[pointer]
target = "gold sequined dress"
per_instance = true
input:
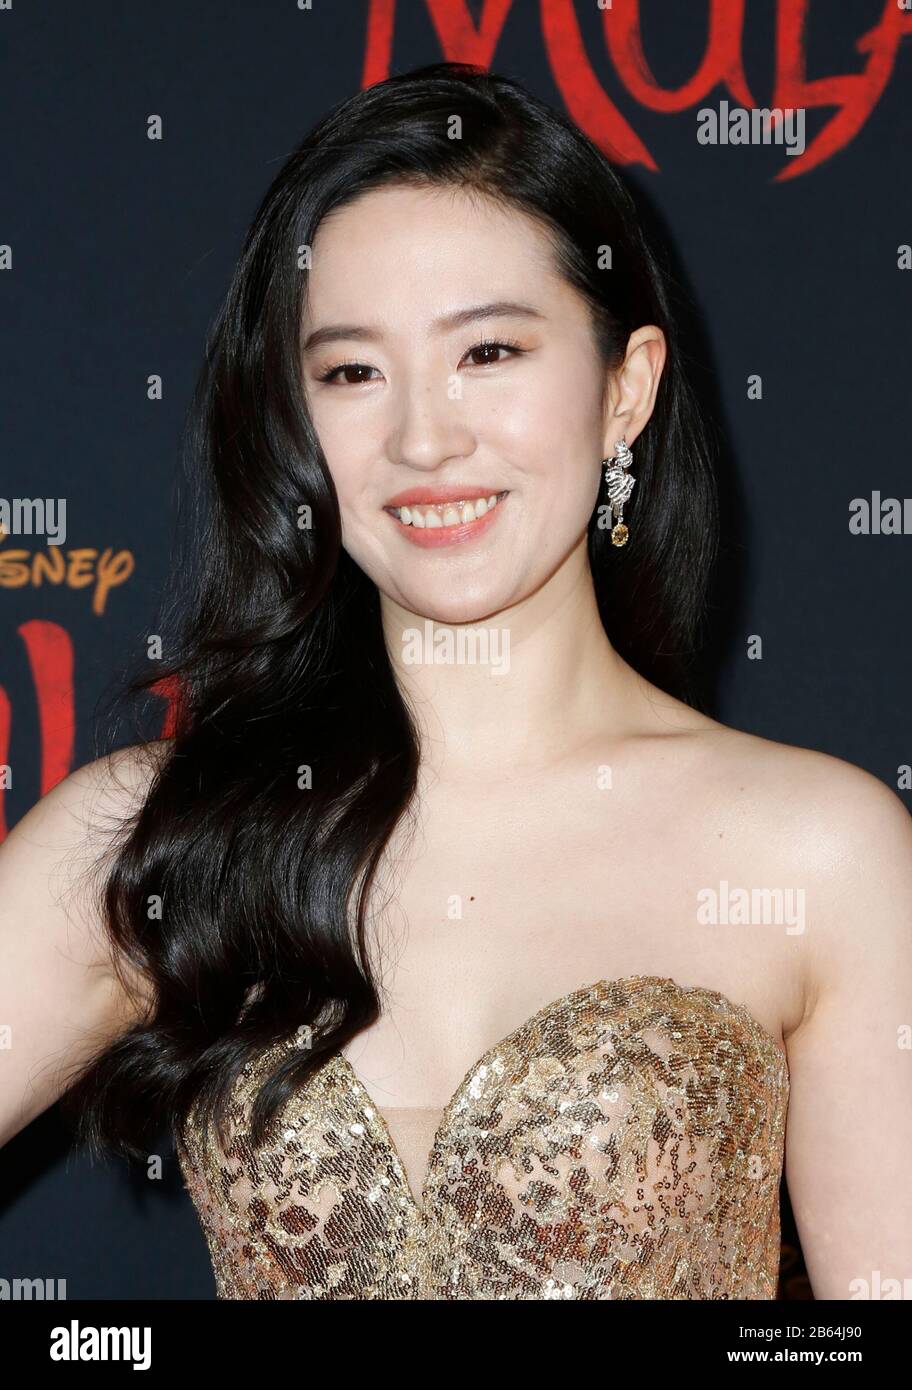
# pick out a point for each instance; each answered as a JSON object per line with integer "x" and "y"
{"x": 626, "y": 1142}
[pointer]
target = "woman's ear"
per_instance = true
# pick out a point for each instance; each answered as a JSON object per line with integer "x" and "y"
{"x": 632, "y": 393}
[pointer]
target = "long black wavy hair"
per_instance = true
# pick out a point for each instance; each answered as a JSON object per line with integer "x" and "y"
{"x": 279, "y": 658}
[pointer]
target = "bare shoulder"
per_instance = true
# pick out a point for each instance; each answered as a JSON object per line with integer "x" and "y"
{"x": 79, "y": 804}
{"x": 116, "y": 777}
{"x": 65, "y": 990}
{"x": 830, "y": 828}
{"x": 839, "y": 805}
{"x": 53, "y": 861}
{"x": 797, "y": 799}
{"x": 803, "y": 807}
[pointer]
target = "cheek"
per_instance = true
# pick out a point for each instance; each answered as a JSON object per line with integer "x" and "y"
{"x": 559, "y": 455}
{"x": 551, "y": 420}
{"x": 347, "y": 470}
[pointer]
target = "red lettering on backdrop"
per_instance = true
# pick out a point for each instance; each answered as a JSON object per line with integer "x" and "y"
{"x": 853, "y": 94}
{"x": 586, "y": 101}
{"x": 721, "y": 63}
{"x": 169, "y": 691}
{"x": 50, "y": 655}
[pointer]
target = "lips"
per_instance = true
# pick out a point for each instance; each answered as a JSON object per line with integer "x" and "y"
{"x": 432, "y": 496}
{"x": 432, "y": 517}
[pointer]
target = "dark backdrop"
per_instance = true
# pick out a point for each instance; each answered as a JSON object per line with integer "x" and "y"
{"x": 119, "y": 248}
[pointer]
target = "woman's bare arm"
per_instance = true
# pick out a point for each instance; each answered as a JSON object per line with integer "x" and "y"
{"x": 60, "y": 999}
{"x": 849, "y": 1133}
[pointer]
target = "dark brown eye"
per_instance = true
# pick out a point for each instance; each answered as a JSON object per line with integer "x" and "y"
{"x": 489, "y": 349}
{"x": 347, "y": 367}
{"x": 488, "y": 353}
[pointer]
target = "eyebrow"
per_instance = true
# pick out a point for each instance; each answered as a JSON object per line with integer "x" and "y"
{"x": 501, "y": 308}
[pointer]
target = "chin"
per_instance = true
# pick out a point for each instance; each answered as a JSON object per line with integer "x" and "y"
{"x": 465, "y": 607}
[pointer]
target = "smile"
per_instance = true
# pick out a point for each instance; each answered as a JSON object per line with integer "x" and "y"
{"x": 432, "y": 524}
{"x": 447, "y": 513}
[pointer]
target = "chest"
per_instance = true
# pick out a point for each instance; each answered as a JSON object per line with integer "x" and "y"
{"x": 496, "y": 899}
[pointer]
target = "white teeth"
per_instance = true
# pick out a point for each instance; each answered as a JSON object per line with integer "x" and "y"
{"x": 450, "y": 514}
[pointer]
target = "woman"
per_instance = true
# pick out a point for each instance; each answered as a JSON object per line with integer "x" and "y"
{"x": 417, "y": 928}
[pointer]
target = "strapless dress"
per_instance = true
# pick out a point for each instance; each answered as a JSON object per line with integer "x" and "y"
{"x": 625, "y": 1142}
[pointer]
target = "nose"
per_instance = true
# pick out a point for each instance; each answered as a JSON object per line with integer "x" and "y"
{"x": 430, "y": 424}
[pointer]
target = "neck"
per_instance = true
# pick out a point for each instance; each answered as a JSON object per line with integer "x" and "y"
{"x": 518, "y": 689}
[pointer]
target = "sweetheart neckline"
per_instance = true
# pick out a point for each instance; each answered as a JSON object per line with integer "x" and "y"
{"x": 420, "y": 1206}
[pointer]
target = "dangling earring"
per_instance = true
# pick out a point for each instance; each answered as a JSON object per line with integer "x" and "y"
{"x": 620, "y": 486}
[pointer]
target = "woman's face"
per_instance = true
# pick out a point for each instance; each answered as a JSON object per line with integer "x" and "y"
{"x": 452, "y": 365}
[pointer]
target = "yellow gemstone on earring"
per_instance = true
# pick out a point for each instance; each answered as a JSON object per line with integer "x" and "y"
{"x": 619, "y": 534}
